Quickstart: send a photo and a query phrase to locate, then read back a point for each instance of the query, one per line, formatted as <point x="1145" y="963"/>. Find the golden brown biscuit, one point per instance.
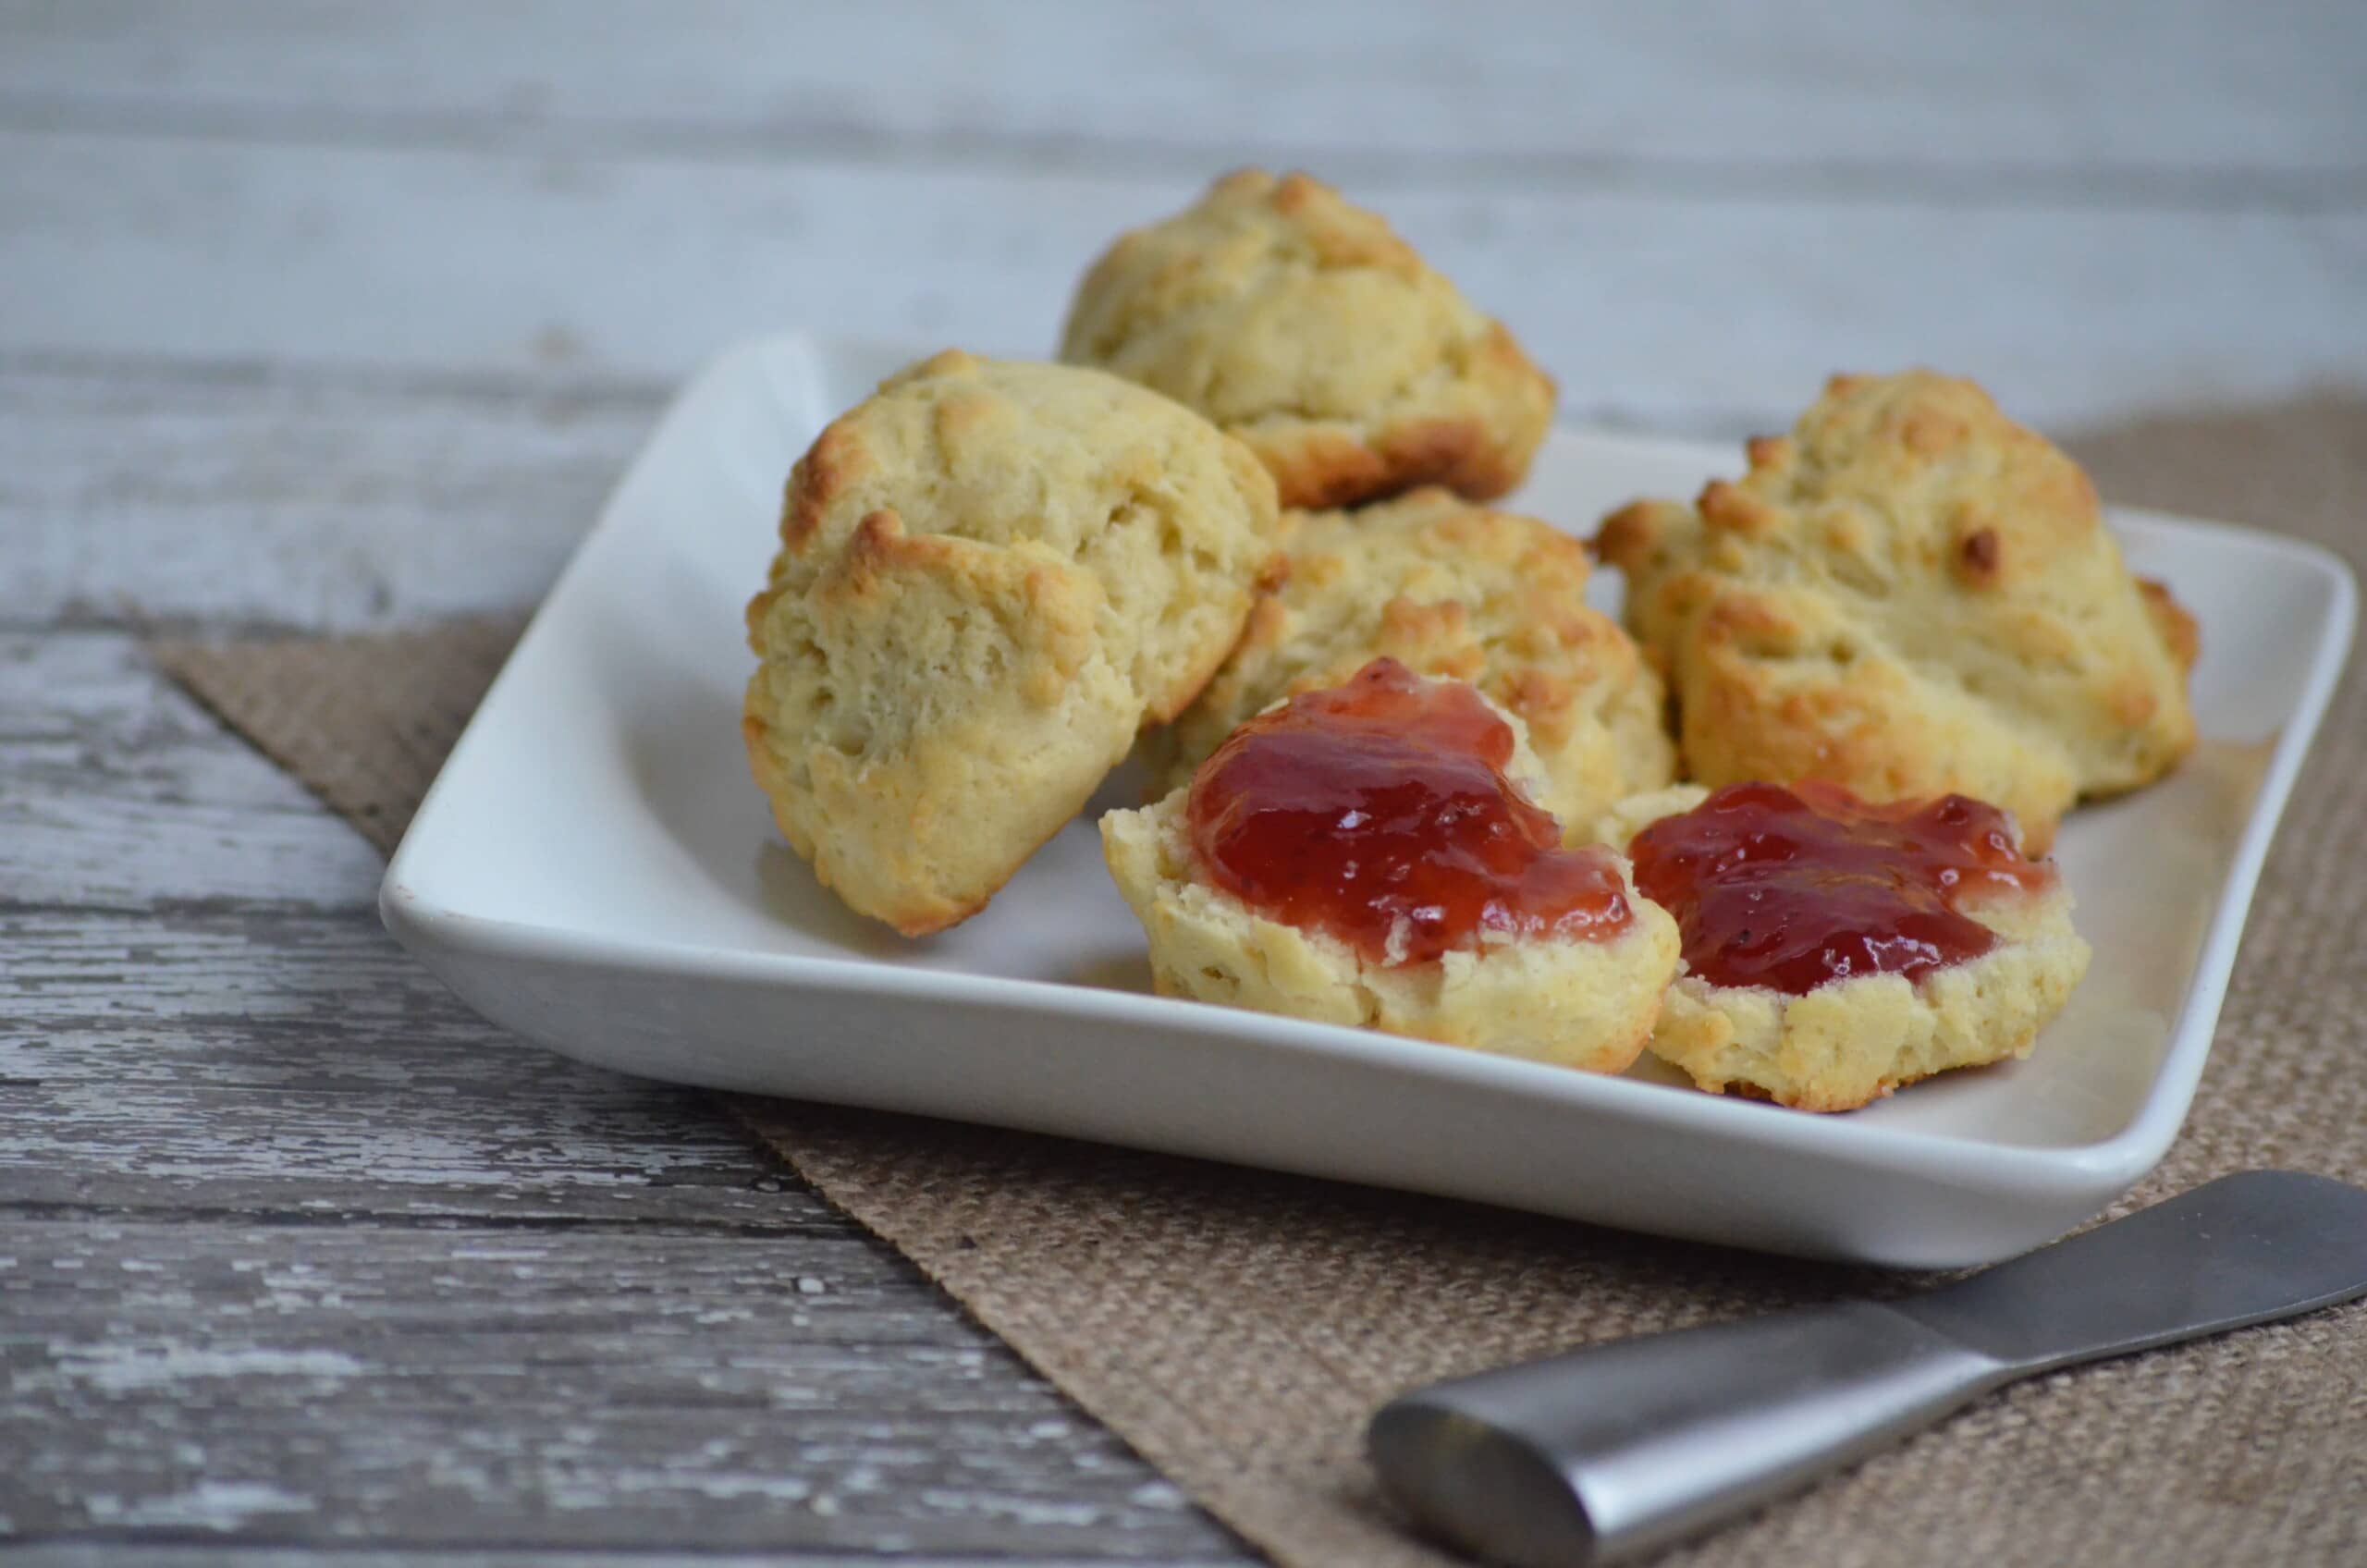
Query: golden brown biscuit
<point x="1447" y="588"/>
<point x="990" y="575"/>
<point x="1573" y="1001"/>
<point x="1909" y="595"/>
<point x="1850" y="1042"/>
<point x="1301" y="325"/>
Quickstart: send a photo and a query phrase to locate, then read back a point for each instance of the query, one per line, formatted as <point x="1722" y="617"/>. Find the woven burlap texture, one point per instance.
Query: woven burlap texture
<point x="1237" y="1326"/>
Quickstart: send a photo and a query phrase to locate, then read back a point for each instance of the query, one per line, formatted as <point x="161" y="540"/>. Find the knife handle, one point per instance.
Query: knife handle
<point x="1595" y="1456"/>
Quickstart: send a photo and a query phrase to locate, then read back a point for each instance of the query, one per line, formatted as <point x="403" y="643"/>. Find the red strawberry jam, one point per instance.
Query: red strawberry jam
<point x="1378" y="811"/>
<point x="1793" y="889"/>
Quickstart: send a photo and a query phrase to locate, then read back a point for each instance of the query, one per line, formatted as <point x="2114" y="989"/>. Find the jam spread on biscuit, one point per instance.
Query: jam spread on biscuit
<point x="1378" y="810"/>
<point x="1792" y="888"/>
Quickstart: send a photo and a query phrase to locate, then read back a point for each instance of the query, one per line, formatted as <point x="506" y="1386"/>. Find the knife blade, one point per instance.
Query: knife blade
<point x="1607" y="1452"/>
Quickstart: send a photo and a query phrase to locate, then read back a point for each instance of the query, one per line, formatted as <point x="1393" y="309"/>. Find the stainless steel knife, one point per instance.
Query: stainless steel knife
<point x="1604" y="1453"/>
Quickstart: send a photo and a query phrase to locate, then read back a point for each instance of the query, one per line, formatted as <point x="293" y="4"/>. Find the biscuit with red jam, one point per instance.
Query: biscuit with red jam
<point x="1448" y="588"/>
<point x="1402" y="880"/>
<point x="1834" y="951"/>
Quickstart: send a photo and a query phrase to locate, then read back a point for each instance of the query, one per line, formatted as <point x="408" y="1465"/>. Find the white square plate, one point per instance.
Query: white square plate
<point x="595" y="870"/>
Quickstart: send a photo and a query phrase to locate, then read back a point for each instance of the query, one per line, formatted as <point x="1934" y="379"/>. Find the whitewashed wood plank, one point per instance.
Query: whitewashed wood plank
<point x="202" y="1048"/>
<point x="215" y="1068"/>
<point x="242" y="1059"/>
<point x="742" y="1193"/>
<point x="1397" y="91"/>
<point x="301" y="1384"/>
<point x="132" y="493"/>
<point x="856" y="1293"/>
<point x="117" y="790"/>
<point x="87" y="1143"/>
<point x="236" y="997"/>
<point x="1648" y="309"/>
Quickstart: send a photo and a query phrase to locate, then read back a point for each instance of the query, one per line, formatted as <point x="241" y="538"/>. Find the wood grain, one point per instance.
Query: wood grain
<point x="241" y="494"/>
<point x="1650" y="309"/>
<point x="1730" y="93"/>
<point x="226" y="1056"/>
<point x="456" y="1387"/>
<point x="207" y="1094"/>
<point x="295" y="1248"/>
<point x="117" y="790"/>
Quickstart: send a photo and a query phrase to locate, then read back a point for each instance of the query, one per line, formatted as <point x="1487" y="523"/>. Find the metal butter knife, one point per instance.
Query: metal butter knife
<point x="1607" y="1452"/>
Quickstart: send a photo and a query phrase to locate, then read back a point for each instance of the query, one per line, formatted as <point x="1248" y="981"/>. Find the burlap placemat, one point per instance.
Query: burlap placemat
<point x="1237" y="1326"/>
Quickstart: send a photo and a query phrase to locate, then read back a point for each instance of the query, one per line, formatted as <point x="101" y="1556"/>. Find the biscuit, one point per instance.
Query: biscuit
<point x="1850" y="1042"/>
<point x="990" y="576"/>
<point x="1909" y="595"/>
<point x="1570" y="1000"/>
<point x="1304" y="326"/>
<point x="1619" y="824"/>
<point x="1448" y="588"/>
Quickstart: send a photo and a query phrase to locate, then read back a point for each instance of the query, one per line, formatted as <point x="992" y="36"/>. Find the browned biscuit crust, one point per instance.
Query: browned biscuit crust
<point x="991" y="575"/>
<point x="1448" y="588"/>
<point x="1300" y="324"/>
<point x="1908" y="596"/>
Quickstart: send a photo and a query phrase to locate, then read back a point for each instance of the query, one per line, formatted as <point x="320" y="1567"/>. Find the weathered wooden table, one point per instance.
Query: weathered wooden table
<point x="336" y="315"/>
